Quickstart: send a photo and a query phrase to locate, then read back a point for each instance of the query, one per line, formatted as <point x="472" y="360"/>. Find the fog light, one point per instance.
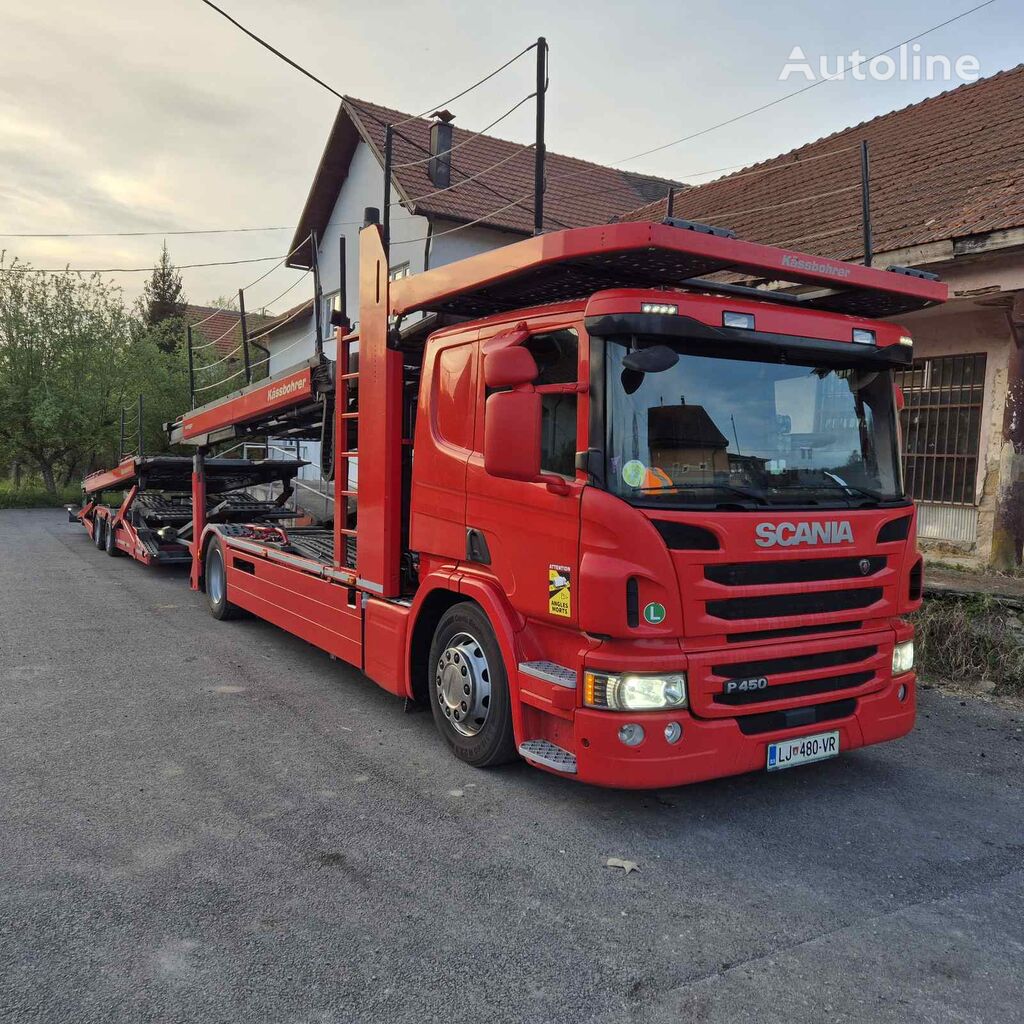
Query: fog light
<point x="901" y="693"/>
<point x="673" y="732"/>
<point x="632" y="734"/>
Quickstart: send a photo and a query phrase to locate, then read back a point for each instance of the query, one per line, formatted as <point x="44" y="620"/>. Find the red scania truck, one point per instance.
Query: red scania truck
<point x="599" y="503"/>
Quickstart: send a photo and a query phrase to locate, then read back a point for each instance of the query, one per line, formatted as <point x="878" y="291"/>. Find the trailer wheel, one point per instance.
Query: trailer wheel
<point x="98" y="531"/>
<point x="110" y="541"/>
<point x="217" y="584"/>
<point x="468" y="687"/>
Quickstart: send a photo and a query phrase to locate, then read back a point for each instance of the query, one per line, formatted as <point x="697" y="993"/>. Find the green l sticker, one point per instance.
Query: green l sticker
<point x="654" y="613"/>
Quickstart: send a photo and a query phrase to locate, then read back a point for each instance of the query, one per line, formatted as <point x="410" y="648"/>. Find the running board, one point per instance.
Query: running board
<point x="548" y="754"/>
<point x="550" y="673"/>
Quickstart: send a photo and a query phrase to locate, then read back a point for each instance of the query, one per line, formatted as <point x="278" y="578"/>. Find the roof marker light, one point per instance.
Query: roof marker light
<point x="659" y="307"/>
<point x="862" y="336"/>
<point x="743" y="321"/>
<point x="906" y="339"/>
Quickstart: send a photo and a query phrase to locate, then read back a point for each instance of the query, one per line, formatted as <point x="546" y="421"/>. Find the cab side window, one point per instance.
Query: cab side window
<point x="557" y="355"/>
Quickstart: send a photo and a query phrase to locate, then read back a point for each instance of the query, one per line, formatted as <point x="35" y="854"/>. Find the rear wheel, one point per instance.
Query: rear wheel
<point x="110" y="542"/>
<point x="217" y="584"/>
<point x="98" y="532"/>
<point x="468" y="687"/>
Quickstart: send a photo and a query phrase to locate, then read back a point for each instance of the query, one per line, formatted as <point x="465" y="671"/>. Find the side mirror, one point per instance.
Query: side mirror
<point x="512" y="433"/>
<point x="901" y="400"/>
<point x="509" y="367"/>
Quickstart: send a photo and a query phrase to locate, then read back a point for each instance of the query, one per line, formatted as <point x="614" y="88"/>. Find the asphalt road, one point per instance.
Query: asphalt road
<point x="205" y="821"/>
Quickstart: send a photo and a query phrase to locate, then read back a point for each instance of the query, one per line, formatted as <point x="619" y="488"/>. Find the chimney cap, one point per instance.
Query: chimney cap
<point x="445" y="116"/>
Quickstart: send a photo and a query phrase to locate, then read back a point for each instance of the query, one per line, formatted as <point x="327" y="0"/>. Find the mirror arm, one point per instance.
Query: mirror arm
<point x="554" y="483"/>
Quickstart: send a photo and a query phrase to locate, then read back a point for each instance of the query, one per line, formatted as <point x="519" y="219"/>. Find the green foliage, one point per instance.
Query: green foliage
<point x="71" y="357"/>
<point x="966" y="641"/>
<point x="163" y="296"/>
<point x="34" y="495"/>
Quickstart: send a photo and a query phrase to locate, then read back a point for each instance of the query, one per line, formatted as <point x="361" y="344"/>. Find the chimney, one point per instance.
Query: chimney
<point x="439" y="168"/>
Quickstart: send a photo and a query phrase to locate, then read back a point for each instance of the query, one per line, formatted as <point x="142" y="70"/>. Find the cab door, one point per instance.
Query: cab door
<point x="531" y="533"/>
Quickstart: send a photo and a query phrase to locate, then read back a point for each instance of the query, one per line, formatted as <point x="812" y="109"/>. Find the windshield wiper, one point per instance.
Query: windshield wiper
<point x="758" y="496"/>
<point x="853" y="488"/>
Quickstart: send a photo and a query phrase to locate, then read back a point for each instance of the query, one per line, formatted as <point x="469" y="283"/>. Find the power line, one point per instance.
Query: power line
<point x="273" y="49"/>
<point x="131" y="270"/>
<point x="136" y="234"/>
<point x="806" y="88"/>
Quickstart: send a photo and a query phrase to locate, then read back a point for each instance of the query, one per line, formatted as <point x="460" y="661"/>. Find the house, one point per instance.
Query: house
<point x="946" y="195"/>
<point x="454" y="193"/>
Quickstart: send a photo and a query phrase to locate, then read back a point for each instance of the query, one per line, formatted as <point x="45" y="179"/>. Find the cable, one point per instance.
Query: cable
<point x="131" y="270"/>
<point x="295" y="283"/>
<point x="806" y="88"/>
<point x="468" y="224"/>
<point x="136" y="234"/>
<point x="272" y="49"/>
<point x="788" y="202"/>
<point x="465" y="142"/>
<point x="458" y="96"/>
<point x="217" y="383"/>
<point x="473" y="177"/>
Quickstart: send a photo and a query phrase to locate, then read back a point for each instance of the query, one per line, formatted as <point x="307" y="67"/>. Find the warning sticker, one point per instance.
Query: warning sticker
<point x="560" y="590"/>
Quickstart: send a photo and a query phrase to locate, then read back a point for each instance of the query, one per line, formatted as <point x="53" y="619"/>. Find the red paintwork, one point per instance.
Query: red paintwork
<point x="278" y="393"/>
<point x="110" y="479"/>
<point x="428" y="290"/>
<point x="534" y="523"/>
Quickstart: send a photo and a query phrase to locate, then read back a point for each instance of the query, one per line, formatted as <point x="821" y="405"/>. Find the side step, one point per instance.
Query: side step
<point x="550" y="673"/>
<point x="548" y="754"/>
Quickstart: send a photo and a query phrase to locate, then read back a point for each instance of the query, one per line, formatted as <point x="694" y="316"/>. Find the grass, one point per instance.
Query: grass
<point x="34" y="495"/>
<point x="966" y="641"/>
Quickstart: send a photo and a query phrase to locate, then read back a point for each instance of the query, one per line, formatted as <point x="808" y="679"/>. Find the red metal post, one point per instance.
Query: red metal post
<point x="198" y="513"/>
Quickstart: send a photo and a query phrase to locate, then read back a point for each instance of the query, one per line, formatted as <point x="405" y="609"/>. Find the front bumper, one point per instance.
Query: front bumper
<point x="714" y="748"/>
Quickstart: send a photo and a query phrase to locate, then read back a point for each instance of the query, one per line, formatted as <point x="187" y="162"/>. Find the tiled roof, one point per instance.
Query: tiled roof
<point x="948" y="167"/>
<point x="222" y="326"/>
<point x="577" y="193"/>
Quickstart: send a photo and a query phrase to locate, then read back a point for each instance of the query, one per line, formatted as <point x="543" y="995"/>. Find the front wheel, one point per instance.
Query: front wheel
<point x="99" y="532"/>
<point x="217" y="584"/>
<point x="468" y="687"/>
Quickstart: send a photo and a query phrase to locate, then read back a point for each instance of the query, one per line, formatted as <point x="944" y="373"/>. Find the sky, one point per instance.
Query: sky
<point x="157" y="116"/>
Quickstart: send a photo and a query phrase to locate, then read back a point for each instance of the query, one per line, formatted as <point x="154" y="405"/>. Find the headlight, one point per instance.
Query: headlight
<point x="903" y="657"/>
<point x="634" y="692"/>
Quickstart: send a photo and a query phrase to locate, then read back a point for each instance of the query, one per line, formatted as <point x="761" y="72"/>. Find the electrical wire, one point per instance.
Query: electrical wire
<point x="132" y="270"/>
<point x="472" y="177"/>
<point x="458" y="96"/>
<point x="273" y="49"/>
<point x="465" y="142"/>
<point x="789" y="202"/>
<point x="137" y="234"/>
<point x="806" y="88"/>
<point x="468" y="224"/>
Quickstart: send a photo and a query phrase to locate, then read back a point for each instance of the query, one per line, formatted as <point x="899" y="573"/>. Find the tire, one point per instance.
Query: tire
<point x="109" y="542"/>
<point x="98" y="531"/>
<point x="464" y="656"/>
<point x="216" y="578"/>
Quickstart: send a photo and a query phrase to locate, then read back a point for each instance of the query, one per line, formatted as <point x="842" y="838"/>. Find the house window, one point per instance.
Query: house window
<point x="399" y="271"/>
<point x="557" y="355"/>
<point x="941" y="425"/>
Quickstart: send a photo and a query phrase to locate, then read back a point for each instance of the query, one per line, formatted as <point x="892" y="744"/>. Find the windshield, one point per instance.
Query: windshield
<point x="692" y="429"/>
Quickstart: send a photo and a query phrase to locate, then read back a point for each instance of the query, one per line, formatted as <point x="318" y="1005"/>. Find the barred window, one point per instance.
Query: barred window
<point x="942" y="427"/>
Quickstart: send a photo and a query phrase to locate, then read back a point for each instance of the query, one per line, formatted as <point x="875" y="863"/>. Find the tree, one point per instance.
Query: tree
<point x="71" y="356"/>
<point x="163" y="297"/>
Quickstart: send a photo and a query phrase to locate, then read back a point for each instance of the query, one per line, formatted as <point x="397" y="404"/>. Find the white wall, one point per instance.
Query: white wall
<point x="364" y="187"/>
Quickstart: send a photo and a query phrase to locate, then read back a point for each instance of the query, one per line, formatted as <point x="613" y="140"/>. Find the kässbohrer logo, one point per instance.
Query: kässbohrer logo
<point x="280" y="390"/>
<point x="815" y="266"/>
<point x="785" y="535"/>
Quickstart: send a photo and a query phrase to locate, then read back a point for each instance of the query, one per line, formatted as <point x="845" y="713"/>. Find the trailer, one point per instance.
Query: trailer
<point x="153" y="521"/>
<point x="628" y="507"/>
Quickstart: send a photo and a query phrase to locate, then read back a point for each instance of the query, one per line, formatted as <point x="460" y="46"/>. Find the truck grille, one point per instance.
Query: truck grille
<point x="785" y="605"/>
<point x="808" y="688"/>
<point x="805" y="570"/>
<point x="796" y="663"/>
<point x="770" y="721"/>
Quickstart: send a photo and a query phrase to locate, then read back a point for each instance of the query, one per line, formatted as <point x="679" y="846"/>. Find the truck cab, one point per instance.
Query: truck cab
<point x="690" y="509"/>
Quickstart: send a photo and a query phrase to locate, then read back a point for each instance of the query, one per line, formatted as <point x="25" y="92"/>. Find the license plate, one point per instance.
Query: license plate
<point x="802" y="750"/>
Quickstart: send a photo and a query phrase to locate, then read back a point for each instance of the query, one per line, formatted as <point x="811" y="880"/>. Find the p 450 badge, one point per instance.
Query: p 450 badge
<point x="746" y="685"/>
